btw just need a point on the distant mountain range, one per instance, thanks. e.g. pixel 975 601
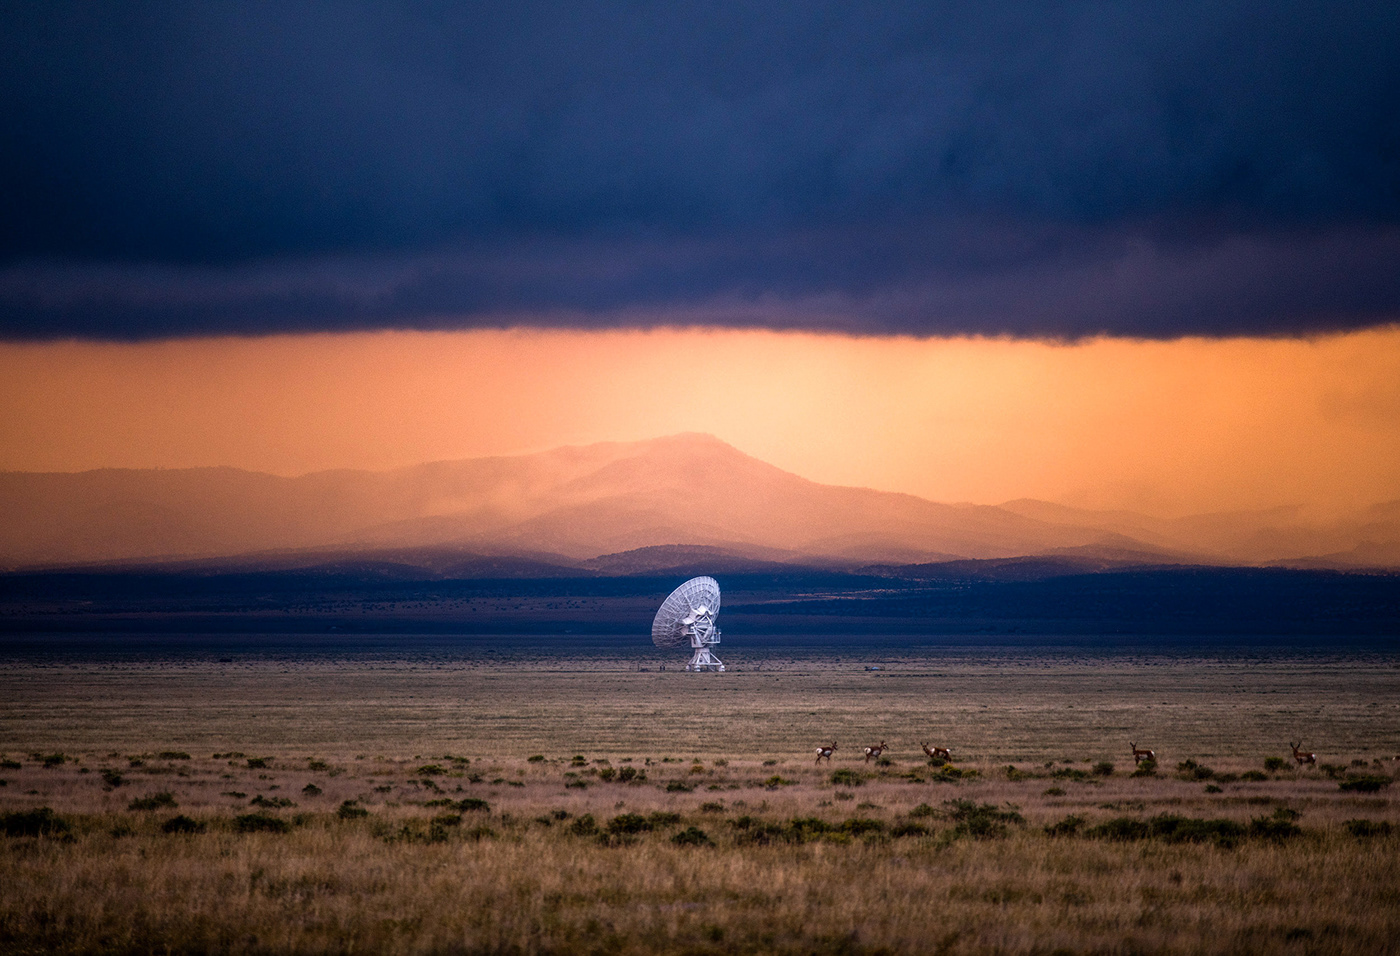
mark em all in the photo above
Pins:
pixel 612 508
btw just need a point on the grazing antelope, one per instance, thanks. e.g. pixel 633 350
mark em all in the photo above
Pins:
pixel 1301 757
pixel 937 753
pixel 825 752
pixel 874 752
pixel 1140 755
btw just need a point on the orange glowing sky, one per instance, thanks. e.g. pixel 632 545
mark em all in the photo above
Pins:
pixel 1166 427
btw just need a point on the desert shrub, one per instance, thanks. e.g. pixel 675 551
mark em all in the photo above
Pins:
pixel 631 775
pixel 53 760
pixel 910 830
pixel 1148 768
pixel 258 763
pixel 271 802
pixel 181 824
pixel 475 805
pixel 1190 770
pixel 1053 792
pixel 584 826
pixel 535 758
pixel 1014 773
pixel 628 823
pixel 1333 770
pixel 1103 768
pixel 447 820
pixel 845 777
pixel 311 790
pixel 38 822
pixel 692 836
pixel 316 765
pixel 431 770
pixel 1278 827
pixel 1368 828
pixel 949 772
pixel 1212 788
pixel 742 823
pixel 1070 773
pixel 8 764
pixel 923 810
pixel 578 760
pixel 351 810
pixel 1275 764
pixel 260 822
pixel 777 781
pixel 770 763
pixel 173 755
pixel 1171 829
pixel 1254 776
pixel 606 773
pixel 803 827
pixel 678 786
pixel 859 826
pixel 576 785
pixel 712 808
pixel 980 820
pixel 155 801
pixel 663 818
pixel 112 778
pixel 1069 826
pixel 1365 783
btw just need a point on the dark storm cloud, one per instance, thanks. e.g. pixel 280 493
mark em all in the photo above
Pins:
pixel 1034 169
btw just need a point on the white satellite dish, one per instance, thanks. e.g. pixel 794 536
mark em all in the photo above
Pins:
pixel 687 617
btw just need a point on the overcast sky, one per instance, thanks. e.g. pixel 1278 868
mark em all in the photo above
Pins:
pixel 1037 169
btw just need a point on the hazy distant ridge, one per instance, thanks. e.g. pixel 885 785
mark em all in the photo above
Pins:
pixel 581 503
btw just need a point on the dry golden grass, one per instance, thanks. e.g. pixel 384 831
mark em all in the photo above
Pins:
pixel 407 743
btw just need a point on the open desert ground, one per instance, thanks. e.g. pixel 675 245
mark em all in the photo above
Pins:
pixel 554 803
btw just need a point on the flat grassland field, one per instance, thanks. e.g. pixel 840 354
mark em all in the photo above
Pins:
pixel 552 803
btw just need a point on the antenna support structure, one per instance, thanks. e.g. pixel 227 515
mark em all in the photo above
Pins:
pixel 687 617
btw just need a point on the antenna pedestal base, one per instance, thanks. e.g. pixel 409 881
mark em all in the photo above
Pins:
pixel 703 660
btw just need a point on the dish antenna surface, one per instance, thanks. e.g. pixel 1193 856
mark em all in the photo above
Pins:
pixel 687 618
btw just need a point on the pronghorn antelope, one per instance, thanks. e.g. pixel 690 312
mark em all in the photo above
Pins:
pixel 1140 755
pixel 874 752
pixel 1301 757
pixel 825 752
pixel 937 753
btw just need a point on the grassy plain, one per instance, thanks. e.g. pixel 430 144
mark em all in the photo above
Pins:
pixel 376 772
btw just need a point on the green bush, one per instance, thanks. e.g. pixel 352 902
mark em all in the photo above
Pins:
pixel 859 826
pixel 474 805
pixel 845 777
pixel 8 764
pixel 1365 783
pixel 351 810
pixel 692 836
pixel 1254 776
pixel 712 808
pixel 1274 764
pixel 910 830
pixel 1103 769
pixel 1069 826
pixel 606 773
pixel 1171 829
pixel 311 790
pixel 631 775
pixel 260 823
pixel 181 824
pixel 1368 828
pixel 923 810
pixel 173 755
pixel 983 821
pixel 271 802
pixel 628 823
pixel 536 758
pixel 38 822
pixel 258 763
pixel 1070 773
pixel 1190 770
pixel 155 801
pixel 1278 827
pixel 54 760
pixel 112 778
pixel 584 826
pixel 677 786
pixel 1148 768
pixel 663 818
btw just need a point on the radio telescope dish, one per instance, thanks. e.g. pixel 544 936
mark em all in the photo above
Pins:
pixel 687 618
